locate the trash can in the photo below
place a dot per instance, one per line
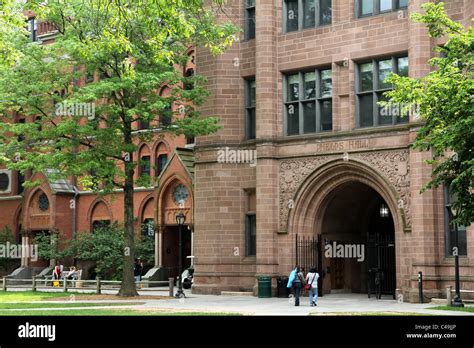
(264, 286)
(282, 290)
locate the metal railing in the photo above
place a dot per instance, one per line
(96, 286)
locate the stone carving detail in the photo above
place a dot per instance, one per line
(394, 165)
(292, 173)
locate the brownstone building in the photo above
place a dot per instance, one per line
(301, 89)
(67, 208)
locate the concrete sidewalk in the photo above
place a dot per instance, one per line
(250, 305)
(337, 303)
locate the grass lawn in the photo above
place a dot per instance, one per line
(26, 305)
(449, 308)
(29, 296)
(107, 312)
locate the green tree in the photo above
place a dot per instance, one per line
(104, 247)
(49, 247)
(444, 100)
(135, 46)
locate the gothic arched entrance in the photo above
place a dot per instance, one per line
(352, 210)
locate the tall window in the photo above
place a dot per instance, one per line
(161, 161)
(33, 29)
(308, 102)
(365, 8)
(166, 116)
(145, 166)
(370, 88)
(250, 107)
(20, 181)
(302, 14)
(450, 229)
(249, 19)
(251, 225)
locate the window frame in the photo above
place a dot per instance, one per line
(249, 35)
(250, 246)
(376, 8)
(449, 228)
(250, 129)
(376, 91)
(33, 29)
(144, 164)
(301, 25)
(317, 100)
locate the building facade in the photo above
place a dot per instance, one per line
(300, 89)
(67, 208)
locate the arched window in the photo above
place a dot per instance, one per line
(161, 159)
(144, 161)
(166, 115)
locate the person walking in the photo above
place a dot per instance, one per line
(296, 281)
(137, 272)
(312, 286)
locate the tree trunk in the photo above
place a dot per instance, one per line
(128, 281)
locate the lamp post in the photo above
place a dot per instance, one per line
(180, 218)
(457, 302)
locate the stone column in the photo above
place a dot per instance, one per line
(267, 79)
(423, 237)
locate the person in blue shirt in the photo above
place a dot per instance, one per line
(296, 280)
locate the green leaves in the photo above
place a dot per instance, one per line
(445, 102)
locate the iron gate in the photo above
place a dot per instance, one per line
(309, 255)
(381, 263)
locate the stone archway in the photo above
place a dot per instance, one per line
(314, 201)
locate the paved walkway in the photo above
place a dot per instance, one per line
(337, 303)
(249, 305)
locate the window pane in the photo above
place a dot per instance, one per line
(292, 15)
(309, 110)
(252, 93)
(309, 85)
(250, 3)
(403, 66)
(293, 124)
(403, 3)
(251, 23)
(309, 11)
(251, 232)
(385, 68)
(385, 5)
(366, 7)
(385, 114)
(325, 12)
(366, 109)
(161, 163)
(251, 123)
(366, 77)
(145, 161)
(293, 87)
(326, 83)
(326, 115)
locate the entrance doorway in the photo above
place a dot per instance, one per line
(358, 241)
(170, 249)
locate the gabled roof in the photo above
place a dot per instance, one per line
(186, 157)
(58, 185)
